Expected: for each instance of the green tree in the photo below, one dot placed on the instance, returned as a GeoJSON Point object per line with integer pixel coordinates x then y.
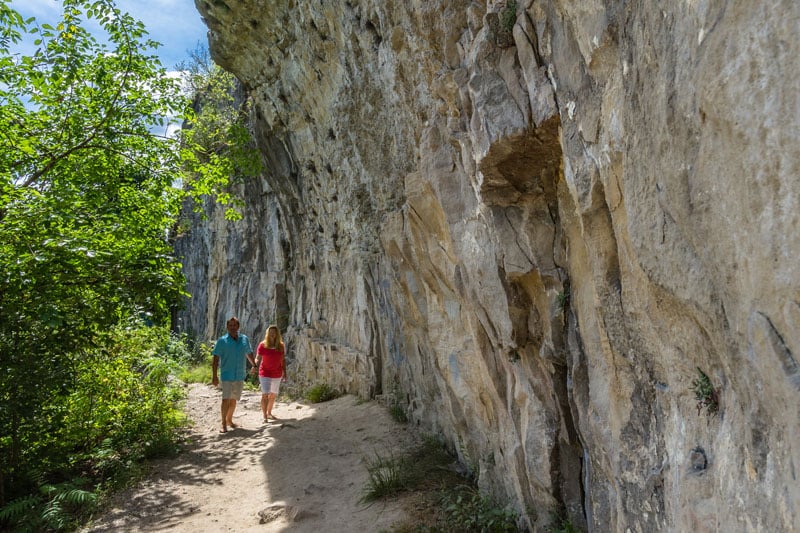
{"type": "Point", "coordinates": [85, 202]}
{"type": "Point", "coordinates": [217, 145]}
{"type": "Point", "coordinates": [87, 199]}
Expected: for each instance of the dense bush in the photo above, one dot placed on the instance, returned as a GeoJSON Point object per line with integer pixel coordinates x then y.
{"type": "Point", "coordinates": [117, 408]}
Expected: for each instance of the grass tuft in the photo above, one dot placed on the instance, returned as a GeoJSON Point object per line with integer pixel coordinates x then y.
{"type": "Point", "coordinates": [387, 476]}
{"type": "Point", "coordinates": [440, 499]}
{"type": "Point", "coordinates": [197, 373]}
{"type": "Point", "coordinates": [321, 393]}
{"type": "Point", "coordinates": [398, 413]}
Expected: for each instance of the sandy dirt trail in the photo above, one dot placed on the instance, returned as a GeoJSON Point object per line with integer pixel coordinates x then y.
{"type": "Point", "coordinates": [302, 473]}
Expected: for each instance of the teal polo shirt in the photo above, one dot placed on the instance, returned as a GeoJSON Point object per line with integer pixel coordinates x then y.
{"type": "Point", "coordinates": [232, 357]}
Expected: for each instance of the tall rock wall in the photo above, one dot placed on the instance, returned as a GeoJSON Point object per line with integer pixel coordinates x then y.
{"type": "Point", "coordinates": [533, 224]}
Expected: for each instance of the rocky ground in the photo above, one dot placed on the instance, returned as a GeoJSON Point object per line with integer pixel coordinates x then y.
{"type": "Point", "coordinates": [303, 473]}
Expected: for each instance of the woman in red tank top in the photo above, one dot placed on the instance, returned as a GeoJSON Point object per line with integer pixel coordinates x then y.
{"type": "Point", "coordinates": [271, 365]}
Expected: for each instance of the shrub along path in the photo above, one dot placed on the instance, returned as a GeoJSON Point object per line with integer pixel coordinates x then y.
{"type": "Point", "coordinates": [302, 473]}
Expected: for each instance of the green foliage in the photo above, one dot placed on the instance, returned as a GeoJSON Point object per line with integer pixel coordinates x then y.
{"type": "Point", "coordinates": [706, 395]}
{"type": "Point", "coordinates": [387, 476]}
{"type": "Point", "coordinates": [508, 16]}
{"type": "Point", "coordinates": [196, 366]}
{"type": "Point", "coordinates": [23, 512]}
{"type": "Point", "coordinates": [80, 107]}
{"type": "Point", "coordinates": [123, 391]}
{"type": "Point", "coordinates": [86, 202]}
{"type": "Point", "coordinates": [197, 373]}
{"type": "Point", "coordinates": [321, 393]}
{"type": "Point", "coordinates": [251, 382]}
{"type": "Point", "coordinates": [466, 510]}
{"type": "Point", "coordinates": [444, 502]}
{"type": "Point", "coordinates": [88, 276]}
{"type": "Point", "coordinates": [563, 297]}
{"type": "Point", "coordinates": [459, 506]}
{"type": "Point", "coordinates": [216, 144]}
{"type": "Point", "coordinates": [562, 300]}
{"type": "Point", "coordinates": [53, 508]}
{"type": "Point", "coordinates": [85, 193]}
{"type": "Point", "coordinates": [564, 525]}
{"type": "Point", "coordinates": [118, 410]}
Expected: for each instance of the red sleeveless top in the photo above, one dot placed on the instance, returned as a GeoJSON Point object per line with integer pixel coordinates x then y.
{"type": "Point", "coordinates": [271, 361]}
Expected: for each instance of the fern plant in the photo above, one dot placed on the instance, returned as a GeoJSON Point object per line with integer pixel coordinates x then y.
{"type": "Point", "coordinates": [18, 514]}
{"type": "Point", "coordinates": [54, 508]}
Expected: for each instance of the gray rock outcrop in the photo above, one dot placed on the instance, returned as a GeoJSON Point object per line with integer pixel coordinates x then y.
{"type": "Point", "coordinates": [536, 225]}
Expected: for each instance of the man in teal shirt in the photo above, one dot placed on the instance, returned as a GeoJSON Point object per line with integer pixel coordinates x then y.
{"type": "Point", "coordinates": [231, 353]}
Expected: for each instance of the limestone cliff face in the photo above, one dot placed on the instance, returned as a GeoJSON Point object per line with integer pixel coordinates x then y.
{"type": "Point", "coordinates": [531, 223]}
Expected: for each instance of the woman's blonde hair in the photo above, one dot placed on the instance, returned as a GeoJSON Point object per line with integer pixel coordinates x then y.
{"type": "Point", "coordinates": [278, 339]}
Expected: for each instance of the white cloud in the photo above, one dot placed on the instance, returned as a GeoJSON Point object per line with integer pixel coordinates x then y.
{"type": "Point", "coordinates": [46, 10]}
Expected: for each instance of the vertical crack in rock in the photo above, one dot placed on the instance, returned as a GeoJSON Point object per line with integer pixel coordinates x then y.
{"type": "Point", "coordinates": [765, 341]}
{"type": "Point", "coordinates": [520, 173]}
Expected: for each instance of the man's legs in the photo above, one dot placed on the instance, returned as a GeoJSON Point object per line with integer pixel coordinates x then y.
{"type": "Point", "coordinates": [229, 415]}
{"type": "Point", "coordinates": [224, 411]}
{"type": "Point", "coordinates": [231, 392]}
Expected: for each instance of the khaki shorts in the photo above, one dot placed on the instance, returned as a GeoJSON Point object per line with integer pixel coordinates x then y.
{"type": "Point", "coordinates": [232, 390]}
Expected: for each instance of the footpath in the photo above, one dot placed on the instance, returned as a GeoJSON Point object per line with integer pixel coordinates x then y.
{"type": "Point", "coordinates": [302, 473]}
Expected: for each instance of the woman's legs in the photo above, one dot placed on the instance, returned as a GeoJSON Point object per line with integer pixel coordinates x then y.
{"type": "Point", "coordinates": [264, 405]}
{"type": "Point", "coordinates": [265, 385]}
{"type": "Point", "coordinates": [270, 404]}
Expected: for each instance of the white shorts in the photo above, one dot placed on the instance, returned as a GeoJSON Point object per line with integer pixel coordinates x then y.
{"type": "Point", "coordinates": [232, 390]}
{"type": "Point", "coordinates": [270, 385]}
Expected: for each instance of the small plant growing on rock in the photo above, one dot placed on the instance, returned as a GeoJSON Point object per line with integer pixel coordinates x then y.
{"type": "Point", "coordinates": [706, 395]}
{"type": "Point", "coordinates": [501, 24]}
{"type": "Point", "coordinates": [562, 299]}
{"type": "Point", "coordinates": [508, 16]}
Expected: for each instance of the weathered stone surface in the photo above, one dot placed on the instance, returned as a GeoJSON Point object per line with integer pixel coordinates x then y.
{"type": "Point", "coordinates": [533, 235]}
